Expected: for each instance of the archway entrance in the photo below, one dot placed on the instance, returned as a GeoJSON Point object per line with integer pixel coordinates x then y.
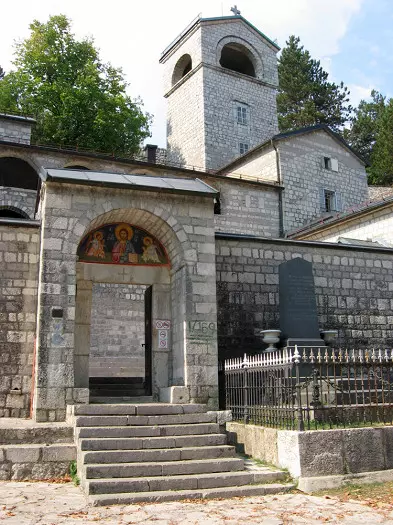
{"type": "Point", "coordinates": [122, 275]}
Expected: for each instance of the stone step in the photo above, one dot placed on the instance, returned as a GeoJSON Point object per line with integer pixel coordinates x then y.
{"type": "Point", "coordinates": [121, 433]}
{"type": "Point", "coordinates": [177, 482]}
{"type": "Point", "coordinates": [149, 409]}
{"type": "Point", "coordinates": [165, 442]}
{"type": "Point", "coordinates": [127, 420]}
{"type": "Point", "coordinates": [158, 455]}
{"type": "Point", "coordinates": [168, 468]}
{"type": "Point", "coordinates": [193, 494]}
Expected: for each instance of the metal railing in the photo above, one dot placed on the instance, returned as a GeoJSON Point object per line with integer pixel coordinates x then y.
{"type": "Point", "coordinates": [311, 388]}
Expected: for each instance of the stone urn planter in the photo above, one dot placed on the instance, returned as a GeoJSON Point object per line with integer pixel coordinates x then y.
{"type": "Point", "coordinates": [271, 337]}
{"type": "Point", "coordinates": [329, 336]}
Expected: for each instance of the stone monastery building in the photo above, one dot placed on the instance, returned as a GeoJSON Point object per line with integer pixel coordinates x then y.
{"type": "Point", "coordinates": [136, 276]}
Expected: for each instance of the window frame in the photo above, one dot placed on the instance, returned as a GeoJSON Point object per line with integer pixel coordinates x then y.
{"type": "Point", "coordinates": [245, 146]}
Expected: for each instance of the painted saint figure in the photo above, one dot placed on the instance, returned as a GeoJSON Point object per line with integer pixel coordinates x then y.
{"type": "Point", "coordinates": [96, 245]}
{"type": "Point", "coordinates": [123, 250]}
{"type": "Point", "coordinates": [150, 253]}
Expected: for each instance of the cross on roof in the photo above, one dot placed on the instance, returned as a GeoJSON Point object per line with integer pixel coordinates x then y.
{"type": "Point", "coordinates": [235, 10]}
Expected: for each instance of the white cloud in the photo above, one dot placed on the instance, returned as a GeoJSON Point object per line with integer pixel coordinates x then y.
{"type": "Point", "coordinates": [359, 93]}
{"type": "Point", "coordinates": [133, 34]}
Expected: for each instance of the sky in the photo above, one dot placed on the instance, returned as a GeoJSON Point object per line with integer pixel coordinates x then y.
{"type": "Point", "coordinates": [352, 38]}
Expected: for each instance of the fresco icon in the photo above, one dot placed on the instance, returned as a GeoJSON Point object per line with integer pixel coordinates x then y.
{"type": "Point", "coordinates": [122, 243]}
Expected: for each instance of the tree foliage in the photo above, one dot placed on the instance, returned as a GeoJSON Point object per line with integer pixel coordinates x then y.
{"type": "Point", "coordinates": [362, 132]}
{"type": "Point", "coordinates": [76, 98]}
{"type": "Point", "coordinates": [2, 73]}
{"type": "Point", "coordinates": [306, 97]}
{"type": "Point", "coordinates": [381, 169]}
{"type": "Point", "coordinates": [371, 134]}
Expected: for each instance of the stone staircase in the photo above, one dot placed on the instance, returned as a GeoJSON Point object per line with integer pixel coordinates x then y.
{"type": "Point", "coordinates": [130, 453]}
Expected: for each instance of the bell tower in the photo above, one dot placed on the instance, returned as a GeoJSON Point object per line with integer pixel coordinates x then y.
{"type": "Point", "coordinates": [220, 81]}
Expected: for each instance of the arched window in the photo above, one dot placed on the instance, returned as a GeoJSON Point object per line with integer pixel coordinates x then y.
{"type": "Point", "coordinates": [183, 66]}
{"type": "Point", "coordinates": [17, 173]}
{"type": "Point", "coordinates": [238, 58]}
{"type": "Point", "coordinates": [11, 212]}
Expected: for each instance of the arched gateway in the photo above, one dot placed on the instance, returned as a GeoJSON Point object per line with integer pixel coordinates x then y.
{"type": "Point", "coordinates": [150, 240]}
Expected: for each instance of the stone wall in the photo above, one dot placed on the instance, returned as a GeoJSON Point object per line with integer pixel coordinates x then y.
{"type": "Point", "coordinates": [246, 207]}
{"type": "Point", "coordinates": [18, 199]}
{"type": "Point", "coordinates": [19, 248]}
{"type": "Point", "coordinates": [262, 164]}
{"type": "Point", "coordinates": [320, 459]}
{"type": "Point", "coordinates": [15, 129]}
{"type": "Point", "coordinates": [353, 289]}
{"type": "Point", "coordinates": [376, 226]}
{"type": "Point", "coordinates": [117, 331]}
{"type": "Point", "coordinates": [303, 175]}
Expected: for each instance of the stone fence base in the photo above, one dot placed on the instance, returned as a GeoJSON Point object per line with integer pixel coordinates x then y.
{"type": "Point", "coordinates": [321, 459]}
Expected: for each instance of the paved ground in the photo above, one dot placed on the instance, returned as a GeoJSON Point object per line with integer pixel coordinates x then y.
{"type": "Point", "coordinates": [53, 504]}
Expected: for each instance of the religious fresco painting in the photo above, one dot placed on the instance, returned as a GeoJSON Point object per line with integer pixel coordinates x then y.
{"type": "Point", "coordinates": [121, 243]}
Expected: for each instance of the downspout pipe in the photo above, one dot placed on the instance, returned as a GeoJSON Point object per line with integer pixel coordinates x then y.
{"type": "Point", "coordinates": [280, 201]}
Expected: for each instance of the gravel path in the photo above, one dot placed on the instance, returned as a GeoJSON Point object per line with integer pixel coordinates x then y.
{"type": "Point", "coordinates": [54, 504]}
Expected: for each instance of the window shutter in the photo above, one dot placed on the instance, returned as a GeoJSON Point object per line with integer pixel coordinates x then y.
{"type": "Point", "coordinates": [322, 203]}
{"type": "Point", "coordinates": [334, 164]}
{"type": "Point", "coordinates": [338, 202]}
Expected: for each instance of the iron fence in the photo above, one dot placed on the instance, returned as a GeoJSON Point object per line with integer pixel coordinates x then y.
{"type": "Point", "coordinates": [311, 388]}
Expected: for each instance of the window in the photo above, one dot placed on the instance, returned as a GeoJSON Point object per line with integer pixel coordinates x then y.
{"type": "Point", "coordinates": [330, 200]}
{"type": "Point", "coordinates": [217, 206]}
{"type": "Point", "coordinates": [330, 164]}
{"type": "Point", "coordinates": [242, 115]}
{"type": "Point", "coordinates": [243, 148]}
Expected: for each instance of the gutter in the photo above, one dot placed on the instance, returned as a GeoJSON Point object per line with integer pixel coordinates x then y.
{"type": "Point", "coordinates": [280, 201]}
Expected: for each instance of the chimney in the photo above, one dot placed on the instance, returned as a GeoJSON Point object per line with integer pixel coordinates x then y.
{"type": "Point", "coordinates": [14, 128]}
{"type": "Point", "coordinates": [151, 153]}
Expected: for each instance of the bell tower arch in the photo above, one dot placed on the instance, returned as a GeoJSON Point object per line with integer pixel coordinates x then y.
{"type": "Point", "coordinates": [220, 81]}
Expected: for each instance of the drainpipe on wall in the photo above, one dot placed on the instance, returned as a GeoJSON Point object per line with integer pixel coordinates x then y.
{"type": "Point", "coordinates": [280, 203]}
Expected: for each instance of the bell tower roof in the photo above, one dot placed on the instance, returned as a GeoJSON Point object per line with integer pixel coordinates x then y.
{"type": "Point", "coordinates": [199, 21]}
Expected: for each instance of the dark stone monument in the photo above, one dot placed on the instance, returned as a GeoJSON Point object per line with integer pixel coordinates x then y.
{"type": "Point", "coordinates": [298, 306]}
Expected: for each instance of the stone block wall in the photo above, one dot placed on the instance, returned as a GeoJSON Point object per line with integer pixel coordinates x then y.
{"type": "Point", "coordinates": [117, 331]}
{"type": "Point", "coordinates": [259, 165]}
{"type": "Point", "coordinates": [19, 253]}
{"type": "Point", "coordinates": [246, 208]}
{"type": "Point", "coordinates": [304, 176]}
{"type": "Point", "coordinates": [15, 129]}
{"type": "Point", "coordinates": [353, 291]}
{"type": "Point", "coordinates": [18, 199]}
{"type": "Point", "coordinates": [377, 226]}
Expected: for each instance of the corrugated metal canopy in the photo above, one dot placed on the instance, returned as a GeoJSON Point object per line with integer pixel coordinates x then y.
{"type": "Point", "coordinates": [142, 182]}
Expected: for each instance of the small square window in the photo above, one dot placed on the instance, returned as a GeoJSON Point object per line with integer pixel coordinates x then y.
{"type": "Point", "coordinates": [242, 117]}
{"type": "Point", "coordinates": [243, 148]}
{"type": "Point", "coordinates": [330, 164]}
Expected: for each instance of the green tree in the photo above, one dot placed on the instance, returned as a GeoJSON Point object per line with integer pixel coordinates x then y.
{"type": "Point", "coordinates": [306, 97]}
{"type": "Point", "coordinates": [1, 73]}
{"type": "Point", "coordinates": [362, 133]}
{"type": "Point", "coordinates": [381, 169]}
{"type": "Point", "coordinates": [76, 98]}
